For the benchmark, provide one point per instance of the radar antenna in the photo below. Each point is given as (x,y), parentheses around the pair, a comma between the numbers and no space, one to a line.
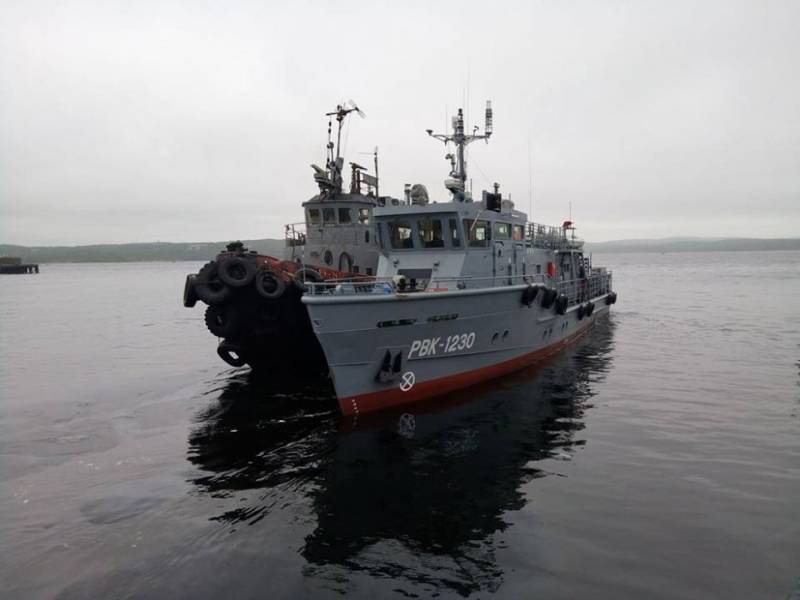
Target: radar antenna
(458,163)
(330,183)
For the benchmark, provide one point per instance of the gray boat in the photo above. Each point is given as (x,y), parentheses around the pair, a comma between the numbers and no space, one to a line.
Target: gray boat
(464,291)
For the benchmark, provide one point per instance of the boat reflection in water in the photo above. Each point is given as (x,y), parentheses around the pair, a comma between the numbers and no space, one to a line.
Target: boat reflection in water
(414,497)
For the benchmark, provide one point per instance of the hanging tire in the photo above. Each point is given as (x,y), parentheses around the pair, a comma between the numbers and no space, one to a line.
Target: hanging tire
(561,304)
(231,353)
(529,294)
(549,297)
(208,287)
(611,298)
(589,309)
(580,312)
(306,275)
(269,285)
(237,271)
(189,295)
(222,321)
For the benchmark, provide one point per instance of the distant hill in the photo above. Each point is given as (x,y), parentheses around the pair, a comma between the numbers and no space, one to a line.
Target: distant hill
(695,245)
(134,252)
(207,250)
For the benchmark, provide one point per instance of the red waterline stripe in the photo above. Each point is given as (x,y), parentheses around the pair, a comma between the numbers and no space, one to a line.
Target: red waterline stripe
(394,397)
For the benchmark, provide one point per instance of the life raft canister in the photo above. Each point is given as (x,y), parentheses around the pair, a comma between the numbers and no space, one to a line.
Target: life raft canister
(551,269)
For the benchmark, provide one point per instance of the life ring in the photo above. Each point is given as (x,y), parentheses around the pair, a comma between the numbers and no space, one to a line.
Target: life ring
(222,321)
(189,295)
(237,271)
(269,285)
(231,354)
(208,286)
(301,276)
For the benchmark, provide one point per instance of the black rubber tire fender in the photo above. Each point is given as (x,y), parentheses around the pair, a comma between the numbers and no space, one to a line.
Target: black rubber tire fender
(208,287)
(189,295)
(222,321)
(306,274)
(580,312)
(529,294)
(549,297)
(237,271)
(269,285)
(589,309)
(231,353)
(561,304)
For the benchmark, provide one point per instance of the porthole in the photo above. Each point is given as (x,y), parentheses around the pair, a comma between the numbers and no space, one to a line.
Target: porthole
(505,335)
(495,336)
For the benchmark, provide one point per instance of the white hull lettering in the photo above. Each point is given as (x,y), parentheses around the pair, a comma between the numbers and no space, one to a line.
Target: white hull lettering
(433,346)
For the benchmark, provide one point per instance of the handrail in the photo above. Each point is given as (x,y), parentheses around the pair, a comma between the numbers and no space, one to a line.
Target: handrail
(576,290)
(548,236)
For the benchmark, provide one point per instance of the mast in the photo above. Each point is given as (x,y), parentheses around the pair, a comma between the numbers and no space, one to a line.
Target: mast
(330,178)
(456,184)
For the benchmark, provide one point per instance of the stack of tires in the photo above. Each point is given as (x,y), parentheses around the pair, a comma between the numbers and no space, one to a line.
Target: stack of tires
(255,309)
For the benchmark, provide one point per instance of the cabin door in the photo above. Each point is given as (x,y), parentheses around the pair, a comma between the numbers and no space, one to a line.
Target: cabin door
(499,259)
(519,262)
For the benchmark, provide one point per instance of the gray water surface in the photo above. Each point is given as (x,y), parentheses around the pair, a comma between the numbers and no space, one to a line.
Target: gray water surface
(657,458)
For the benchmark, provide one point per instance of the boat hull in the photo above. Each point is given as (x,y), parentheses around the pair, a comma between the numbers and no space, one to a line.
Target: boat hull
(435,343)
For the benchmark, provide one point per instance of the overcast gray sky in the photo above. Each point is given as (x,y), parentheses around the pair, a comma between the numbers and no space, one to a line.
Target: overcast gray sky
(192,121)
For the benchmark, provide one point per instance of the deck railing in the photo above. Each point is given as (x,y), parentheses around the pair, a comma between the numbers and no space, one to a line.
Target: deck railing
(554,238)
(597,283)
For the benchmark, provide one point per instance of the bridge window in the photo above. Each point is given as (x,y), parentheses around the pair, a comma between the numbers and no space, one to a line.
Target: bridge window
(478,233)
(344,215)
(363,216)
(313,216)
(329,216)
(430,233)
(519,233)
(400,234)
(502,231)
(455,239)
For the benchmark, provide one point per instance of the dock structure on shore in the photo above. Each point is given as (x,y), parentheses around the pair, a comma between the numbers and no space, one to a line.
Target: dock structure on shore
(13,265)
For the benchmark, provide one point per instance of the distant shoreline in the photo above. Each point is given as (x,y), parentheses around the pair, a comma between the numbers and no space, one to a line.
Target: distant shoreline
(198,251)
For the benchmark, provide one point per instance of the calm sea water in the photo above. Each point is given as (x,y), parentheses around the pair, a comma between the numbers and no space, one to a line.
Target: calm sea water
(658,458)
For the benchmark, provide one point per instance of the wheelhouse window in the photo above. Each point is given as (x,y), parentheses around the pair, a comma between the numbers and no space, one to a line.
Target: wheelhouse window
(363,216)
(455,238)
(502,231)
(478,233)
(400,234)
(329,216)
(344,215)
(313,216)
(519,233)
(430,233)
